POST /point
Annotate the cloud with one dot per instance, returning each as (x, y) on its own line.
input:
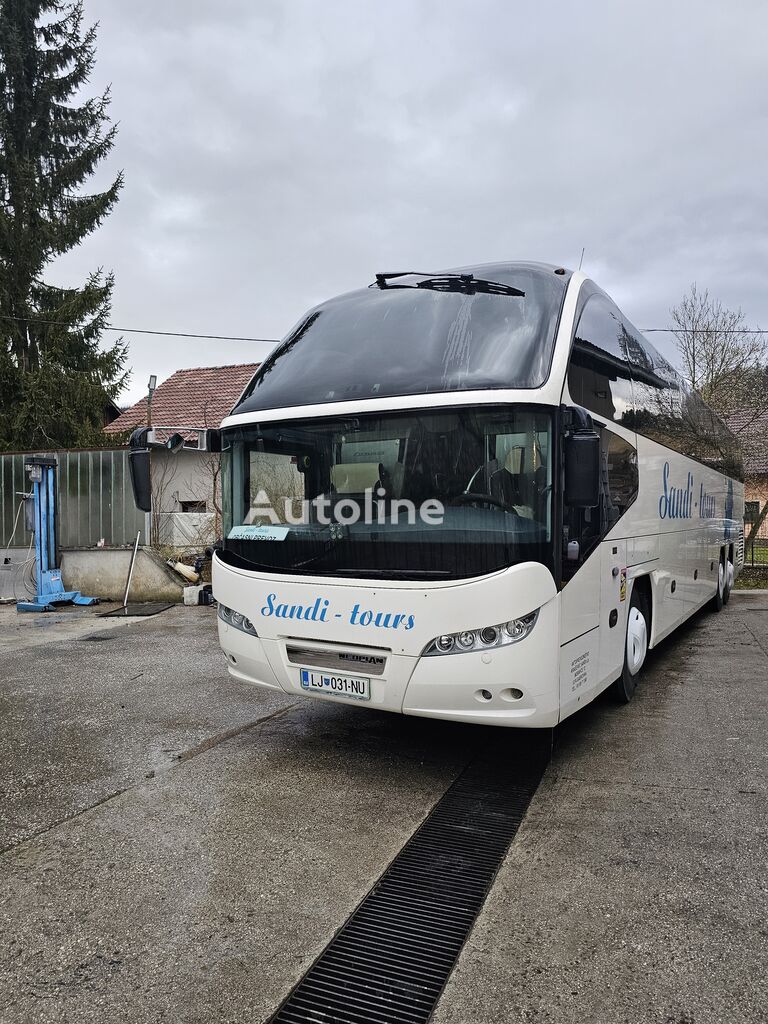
(276, 154)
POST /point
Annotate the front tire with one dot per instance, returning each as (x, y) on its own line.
(635, 648)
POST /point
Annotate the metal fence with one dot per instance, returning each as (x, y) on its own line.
(95, 500)
(756, 551)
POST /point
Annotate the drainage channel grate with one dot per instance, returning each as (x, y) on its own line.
(390, 961)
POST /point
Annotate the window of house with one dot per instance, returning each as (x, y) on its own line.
(751, 511)
(192, 506)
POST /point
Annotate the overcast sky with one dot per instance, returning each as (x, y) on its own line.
(278, 152)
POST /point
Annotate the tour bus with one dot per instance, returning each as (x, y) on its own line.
(477, 495)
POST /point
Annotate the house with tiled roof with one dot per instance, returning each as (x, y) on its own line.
(198, 397)
(752, 431)
(186, 502)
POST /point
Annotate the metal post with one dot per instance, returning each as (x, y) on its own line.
(50, 590)
(49, 475)
(130, 570)
(39, 536)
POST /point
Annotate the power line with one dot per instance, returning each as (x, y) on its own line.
(137, 330)
(270, 341)
(702, 330)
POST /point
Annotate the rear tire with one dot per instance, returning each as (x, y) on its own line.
(635, 648)
(718, 601)
(728, 581)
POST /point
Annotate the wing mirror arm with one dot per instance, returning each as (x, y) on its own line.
(140, 445)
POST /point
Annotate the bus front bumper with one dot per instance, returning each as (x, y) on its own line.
(378, 632)
(514, 685)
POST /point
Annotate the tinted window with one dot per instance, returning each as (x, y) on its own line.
(621, 471)
(598, 373)
(668, 411)
(407, 340)
(607, 352)
(588, 526)
(333, 495)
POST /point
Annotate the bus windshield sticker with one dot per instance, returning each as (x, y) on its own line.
(258, 533)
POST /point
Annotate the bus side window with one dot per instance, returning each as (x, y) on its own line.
(598, 371)
(668, 411)
(619, 489)
(622, 477)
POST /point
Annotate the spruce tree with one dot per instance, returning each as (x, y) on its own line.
(55, 377)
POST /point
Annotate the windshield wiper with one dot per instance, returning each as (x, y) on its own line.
(468, 284)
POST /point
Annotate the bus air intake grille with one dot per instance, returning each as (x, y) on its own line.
(389, 963)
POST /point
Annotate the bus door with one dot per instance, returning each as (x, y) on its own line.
(580, 608)
(594, 579)
(614, 598)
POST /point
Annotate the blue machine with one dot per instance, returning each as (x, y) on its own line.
(50, 590)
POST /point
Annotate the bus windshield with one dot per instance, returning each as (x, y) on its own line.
(427, 494)
(406, 339)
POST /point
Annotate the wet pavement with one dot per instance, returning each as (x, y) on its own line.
(636, 888)
(179, 846)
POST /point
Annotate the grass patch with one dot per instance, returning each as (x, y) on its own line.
(757, 555)
(752, 577)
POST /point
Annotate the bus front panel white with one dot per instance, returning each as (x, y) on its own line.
(379, 631)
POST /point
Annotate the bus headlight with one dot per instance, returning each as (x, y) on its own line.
(236, 619)
(484, 638)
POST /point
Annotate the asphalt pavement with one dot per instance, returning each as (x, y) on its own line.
(179, 846)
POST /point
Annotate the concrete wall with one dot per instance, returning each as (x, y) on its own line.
(98, 572)
(14, 569)
(103, 572)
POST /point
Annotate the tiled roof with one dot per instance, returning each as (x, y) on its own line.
(199, 397)
(752, 431)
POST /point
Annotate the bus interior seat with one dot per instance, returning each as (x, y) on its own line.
(503, 486)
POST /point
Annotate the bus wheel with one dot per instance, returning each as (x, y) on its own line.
(635, 648)
(728, 586)
(719, 599)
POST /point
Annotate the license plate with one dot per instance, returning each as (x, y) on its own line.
(342, 686)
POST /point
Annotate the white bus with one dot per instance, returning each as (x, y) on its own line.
(478, 495)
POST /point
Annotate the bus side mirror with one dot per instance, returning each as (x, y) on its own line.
(138, 461)
(582, 469)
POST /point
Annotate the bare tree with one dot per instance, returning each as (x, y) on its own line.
(721, 357)
(162, 475)
(725, 360)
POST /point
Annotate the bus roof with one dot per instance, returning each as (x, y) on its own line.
(412, 334)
